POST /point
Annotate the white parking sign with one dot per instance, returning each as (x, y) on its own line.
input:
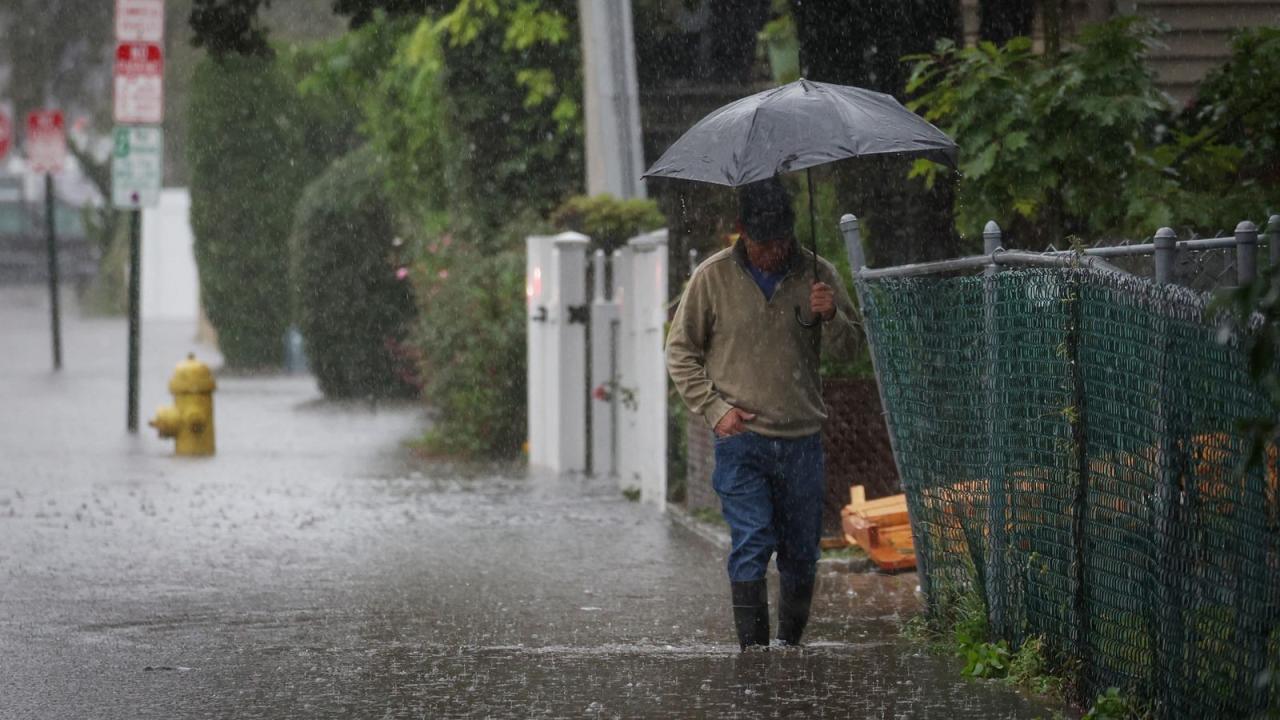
(140, 21)
(136, 167)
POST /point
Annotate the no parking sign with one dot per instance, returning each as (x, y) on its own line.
(6, 134)
(46, 141)
(139, 83)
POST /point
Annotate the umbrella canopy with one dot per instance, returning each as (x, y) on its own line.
(797, 126)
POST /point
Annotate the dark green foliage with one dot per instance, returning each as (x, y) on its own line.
(1112, 705)
(363, 12)
(247, 170)
(508, 152)
(352, 308)
(1084, 143)
(229, 27)
(608, 221)
(1232, 134)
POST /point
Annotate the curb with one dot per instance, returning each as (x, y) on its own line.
(719, 539)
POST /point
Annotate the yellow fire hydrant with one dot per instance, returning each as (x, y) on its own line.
(190, 418)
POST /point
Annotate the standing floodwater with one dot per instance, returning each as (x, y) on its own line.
(312, 569)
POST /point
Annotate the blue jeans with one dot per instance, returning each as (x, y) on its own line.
(771, 492)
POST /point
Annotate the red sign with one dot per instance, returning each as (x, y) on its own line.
(6, 134)
(46, 141)
(139, 83)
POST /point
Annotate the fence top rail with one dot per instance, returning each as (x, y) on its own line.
(1014, 258)
(1215, 243)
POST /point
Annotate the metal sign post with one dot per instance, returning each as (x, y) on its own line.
(55, 315)
(135, 161)
(46, 151)
(135, 340)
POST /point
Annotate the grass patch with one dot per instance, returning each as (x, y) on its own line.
(707, 515)
(632, 494)
(849, 552)
(959, 628)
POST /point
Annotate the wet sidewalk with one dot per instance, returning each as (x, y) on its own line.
(314, 569)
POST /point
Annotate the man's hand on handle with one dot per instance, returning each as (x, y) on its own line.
(822, 300)
(733, 422)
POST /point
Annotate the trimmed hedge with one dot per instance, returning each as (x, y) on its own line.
(609, 221)
(247, 171)
(351, 306)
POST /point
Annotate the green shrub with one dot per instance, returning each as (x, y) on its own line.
(608, 221)
(247, 172)
(471, 333)
(352, 308)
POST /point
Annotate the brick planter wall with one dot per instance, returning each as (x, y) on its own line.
(698, 494)
(855, 440)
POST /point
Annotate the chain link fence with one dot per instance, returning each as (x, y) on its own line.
(1068, 439)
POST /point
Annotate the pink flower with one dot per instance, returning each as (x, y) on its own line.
(600, 393)
(443, 274)
(402, 273)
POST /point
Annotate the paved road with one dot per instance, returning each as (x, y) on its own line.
(314, 569)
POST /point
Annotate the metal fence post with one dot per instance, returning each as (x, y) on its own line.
(1246, 252)
(853, 244)
(996, 587)
(857, 262)
(1166, 242)
(992, 240)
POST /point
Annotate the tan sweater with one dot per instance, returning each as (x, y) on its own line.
(729, 347)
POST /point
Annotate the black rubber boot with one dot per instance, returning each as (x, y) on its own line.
(751, 612)
(794, 598)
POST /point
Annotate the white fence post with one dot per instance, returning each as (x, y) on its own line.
(569, 321)
(604, 354)
(645, 320)
(537, 292)
(556, 288)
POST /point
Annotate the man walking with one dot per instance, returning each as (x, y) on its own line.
(740, 359)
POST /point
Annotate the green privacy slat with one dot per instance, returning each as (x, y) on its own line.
(1069, 445)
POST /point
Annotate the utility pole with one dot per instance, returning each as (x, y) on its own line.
(611, 98)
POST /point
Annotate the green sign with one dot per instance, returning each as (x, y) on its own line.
(136, 167)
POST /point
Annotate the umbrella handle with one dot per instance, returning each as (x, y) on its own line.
(806, 323)
(813, 243)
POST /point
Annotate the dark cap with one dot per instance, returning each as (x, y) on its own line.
(764, 208)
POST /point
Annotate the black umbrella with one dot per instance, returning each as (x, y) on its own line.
(796, 127)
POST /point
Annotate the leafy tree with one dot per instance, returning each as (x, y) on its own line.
(1234, 115)
(475, 113)
(229, 27)
(54, 51)
(1079, 144)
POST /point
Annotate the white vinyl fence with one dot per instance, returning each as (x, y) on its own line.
(625, 402)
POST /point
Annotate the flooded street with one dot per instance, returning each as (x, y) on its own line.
(315, 569)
